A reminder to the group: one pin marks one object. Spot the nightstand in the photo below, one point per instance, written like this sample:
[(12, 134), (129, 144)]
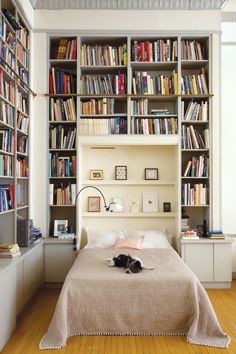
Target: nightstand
[(210, 260)]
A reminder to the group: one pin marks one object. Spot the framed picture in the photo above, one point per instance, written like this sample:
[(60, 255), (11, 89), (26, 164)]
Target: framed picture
[(150, 202), (96, 174), (151, 173), (166, 207), (94, 204), (121, 172), (60, 226)]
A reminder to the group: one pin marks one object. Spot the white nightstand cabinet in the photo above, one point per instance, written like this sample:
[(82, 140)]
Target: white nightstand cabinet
[(210, 260)]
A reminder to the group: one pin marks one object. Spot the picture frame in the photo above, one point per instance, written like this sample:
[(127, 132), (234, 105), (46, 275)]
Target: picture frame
[(121, 173), (166, 207), (150, 202), (94, 204), (60, 226), (96, 174), (151, 173)]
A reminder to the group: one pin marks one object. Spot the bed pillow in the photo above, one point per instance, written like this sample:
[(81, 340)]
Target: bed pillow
[(135, 242), (152, 238), (102, 238)]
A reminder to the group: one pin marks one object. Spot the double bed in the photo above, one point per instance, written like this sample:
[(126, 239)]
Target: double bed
[(101, 300)]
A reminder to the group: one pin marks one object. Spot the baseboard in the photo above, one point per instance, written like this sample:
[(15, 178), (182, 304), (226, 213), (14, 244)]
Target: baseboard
[(234, 275), (217, 285)]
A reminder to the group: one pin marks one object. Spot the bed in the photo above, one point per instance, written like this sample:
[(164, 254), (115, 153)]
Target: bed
[(101, 300)]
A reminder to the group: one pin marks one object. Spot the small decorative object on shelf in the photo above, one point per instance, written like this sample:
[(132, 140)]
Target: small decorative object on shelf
[(96, 174), (166, 207), (94, 204), (119, 203), (60, 226), (134, 207), (151, 173), (120, 172), (150, 202)]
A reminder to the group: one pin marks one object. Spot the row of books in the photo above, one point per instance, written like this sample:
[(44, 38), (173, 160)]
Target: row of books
[(194, 139), (23, 75), (62, 194), (100, 106), (194, 194), (7, 140), (61, 166), (7, 88), (22, 55), (22, 122), (6, 113), (6, 34), (6, 165), (194, 84), (22, 102), (66, 50), (195, 111), (6, 197), (139, 106), (24, 37), (23, 144), (143, 83), (197, 167), (107, 84), (104, 126), (216, 234), (103, 55), (155, 126), (162, 50), (8, 56), (62, 138), (22, 169), (61, 81), (192, 50), (62, 110), (9, 250)]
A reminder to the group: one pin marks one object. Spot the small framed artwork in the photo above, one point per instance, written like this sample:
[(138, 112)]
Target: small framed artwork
[(60, 226), (150, 202), (166, 207), (121, 172), (151, 173), (94, 204), (96, 174)]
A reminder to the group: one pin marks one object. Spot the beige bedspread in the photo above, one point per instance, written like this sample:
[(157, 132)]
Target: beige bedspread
[(169, 300)]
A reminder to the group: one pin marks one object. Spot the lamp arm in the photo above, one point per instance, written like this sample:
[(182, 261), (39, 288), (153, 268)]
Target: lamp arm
[(104, 200)]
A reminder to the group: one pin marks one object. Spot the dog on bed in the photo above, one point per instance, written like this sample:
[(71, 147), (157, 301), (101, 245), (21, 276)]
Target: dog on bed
[(131, 264)]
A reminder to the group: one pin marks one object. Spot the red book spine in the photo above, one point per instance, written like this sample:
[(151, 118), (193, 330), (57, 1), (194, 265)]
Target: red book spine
[(147, 51), (51, 84), (142, 51)]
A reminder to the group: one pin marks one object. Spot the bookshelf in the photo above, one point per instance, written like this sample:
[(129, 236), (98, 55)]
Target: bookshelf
[(138, 101), (15, 112)]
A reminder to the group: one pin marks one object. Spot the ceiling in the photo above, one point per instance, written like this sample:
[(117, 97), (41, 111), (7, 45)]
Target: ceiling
[(129, 4)]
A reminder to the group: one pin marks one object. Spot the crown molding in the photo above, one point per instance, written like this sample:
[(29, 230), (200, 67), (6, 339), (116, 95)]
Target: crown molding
[(228, 16), (128, 4)]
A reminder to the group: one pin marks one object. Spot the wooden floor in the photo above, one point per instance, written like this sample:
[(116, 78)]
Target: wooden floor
[(34, 321)]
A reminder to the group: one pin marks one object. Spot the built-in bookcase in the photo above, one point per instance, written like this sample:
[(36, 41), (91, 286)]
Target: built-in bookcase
[(130, 95), (14, 121)]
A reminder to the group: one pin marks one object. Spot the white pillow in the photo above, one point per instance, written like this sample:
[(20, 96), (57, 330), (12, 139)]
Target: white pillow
[(152, 238), (102, 238)]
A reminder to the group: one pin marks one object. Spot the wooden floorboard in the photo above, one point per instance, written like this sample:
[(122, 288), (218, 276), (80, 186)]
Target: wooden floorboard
[(34, 320)]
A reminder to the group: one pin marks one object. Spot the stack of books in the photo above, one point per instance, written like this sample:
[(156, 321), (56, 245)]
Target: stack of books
[(216, 234), (9, 250), (189, 235)]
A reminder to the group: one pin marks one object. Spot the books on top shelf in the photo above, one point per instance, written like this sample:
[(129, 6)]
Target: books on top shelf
[(144, 83), (194, 84), (61, 137), (102, 55), (9, 250), (6, 165), (7, 56), (95, 126), (157, 126), (24, 37), (161, 50), (62, 109), (197, 167), (194, 194), (103, 84), (194, 139), (195, 111), (216, 234), (192, 50), (6, 197), (62, 166), (62, 81), (98, 106), (67, 49)]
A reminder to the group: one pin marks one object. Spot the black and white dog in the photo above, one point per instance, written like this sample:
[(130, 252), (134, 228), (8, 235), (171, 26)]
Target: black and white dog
[(132, 264)]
